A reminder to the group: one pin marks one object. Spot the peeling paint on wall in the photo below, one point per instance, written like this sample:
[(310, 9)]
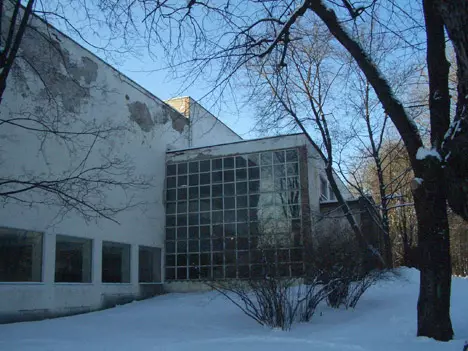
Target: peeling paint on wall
[(140, 114), (63, 79)]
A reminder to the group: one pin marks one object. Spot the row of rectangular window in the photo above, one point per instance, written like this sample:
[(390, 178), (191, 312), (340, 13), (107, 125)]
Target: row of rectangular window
[(236, 257), (263, 173), (234, 216), (232, 229), (233, 272), (230, 162), (231, 243), (21, 255)]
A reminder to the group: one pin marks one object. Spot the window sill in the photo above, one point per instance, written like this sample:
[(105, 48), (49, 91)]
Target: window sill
[(150, 283), (73, 283), (22, 283), (118, 284)]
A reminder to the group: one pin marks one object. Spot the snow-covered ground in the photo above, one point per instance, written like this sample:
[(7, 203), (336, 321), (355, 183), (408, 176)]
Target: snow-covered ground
[(385, 319)]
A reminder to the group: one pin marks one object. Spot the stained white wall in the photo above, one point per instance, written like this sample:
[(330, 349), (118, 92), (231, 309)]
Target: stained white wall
[(62, 84)]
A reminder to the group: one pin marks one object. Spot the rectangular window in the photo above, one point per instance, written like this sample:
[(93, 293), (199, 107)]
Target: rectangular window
[(20, 255), (149, 264), (115, 262), (73, 259), (323, 189)]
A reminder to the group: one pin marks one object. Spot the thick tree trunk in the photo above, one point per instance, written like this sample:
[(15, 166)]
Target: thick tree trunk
[(434, 254)]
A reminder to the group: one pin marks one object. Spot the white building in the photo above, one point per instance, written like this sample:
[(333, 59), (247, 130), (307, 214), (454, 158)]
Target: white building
[(209, 206)]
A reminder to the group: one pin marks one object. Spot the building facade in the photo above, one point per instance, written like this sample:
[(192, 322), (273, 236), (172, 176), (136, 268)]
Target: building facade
[(213, 205)]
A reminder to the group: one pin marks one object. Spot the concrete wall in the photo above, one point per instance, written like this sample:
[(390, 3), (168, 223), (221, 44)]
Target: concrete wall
[(204, 128)]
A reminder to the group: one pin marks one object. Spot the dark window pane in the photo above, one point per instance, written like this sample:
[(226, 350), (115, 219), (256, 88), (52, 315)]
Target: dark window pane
[(170, 273), (283, 256), (218, 244), (241, 174), (194, 273), (229, 216), (182, 207), (291, 155), (205, 205), (241, 162), (193, 167), (229, 176), (254, 173), (297, 269), (194, 246), (171, 170), (292, 169), (171, 195), (205, 231), (218, 258), (193, 179), (171, 208), (217, 177), (265, 158), (204, 178), (242, 215), (229, 162), (218, 272), (257, 271), (242, 243), (241, 188), (205, 218), (182, 180), (170, 233), (253, 160), (182, 168), (217, 190), (217, 217), (243, 272), (278, 157), (283, 270), (205, 166), (170, 221), (204, 191), (193, 206), (182, 260), (231, 272), (230, 243), (20, 256), (296, 255), (149, 264), (229, 202), (254, 187), (205, 259), (193, 193), (171, 182), (205, 273), (182, 220), (230, 257), (279, 171), (170, 247), (229, 189), (193, 232), (218, 231), (242, 229), (170, 260), (194, 259), (230, 230), (182, 246), (217, 164), (205, 245), (217, 203), (254, 229), (241, 201), (182, 194), (181, 273), (193, 219), (181, 233)]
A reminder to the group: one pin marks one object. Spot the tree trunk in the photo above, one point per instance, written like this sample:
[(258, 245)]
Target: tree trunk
[(434, 254)]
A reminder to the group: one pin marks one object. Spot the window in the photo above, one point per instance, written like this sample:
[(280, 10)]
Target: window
[(20, 256), (149, 264), (73, 259), (331, 193), (115, 262), (323, 189), (241, 206)]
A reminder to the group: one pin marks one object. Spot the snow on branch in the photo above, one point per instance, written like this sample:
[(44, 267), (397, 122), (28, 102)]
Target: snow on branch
[(424, 153)]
